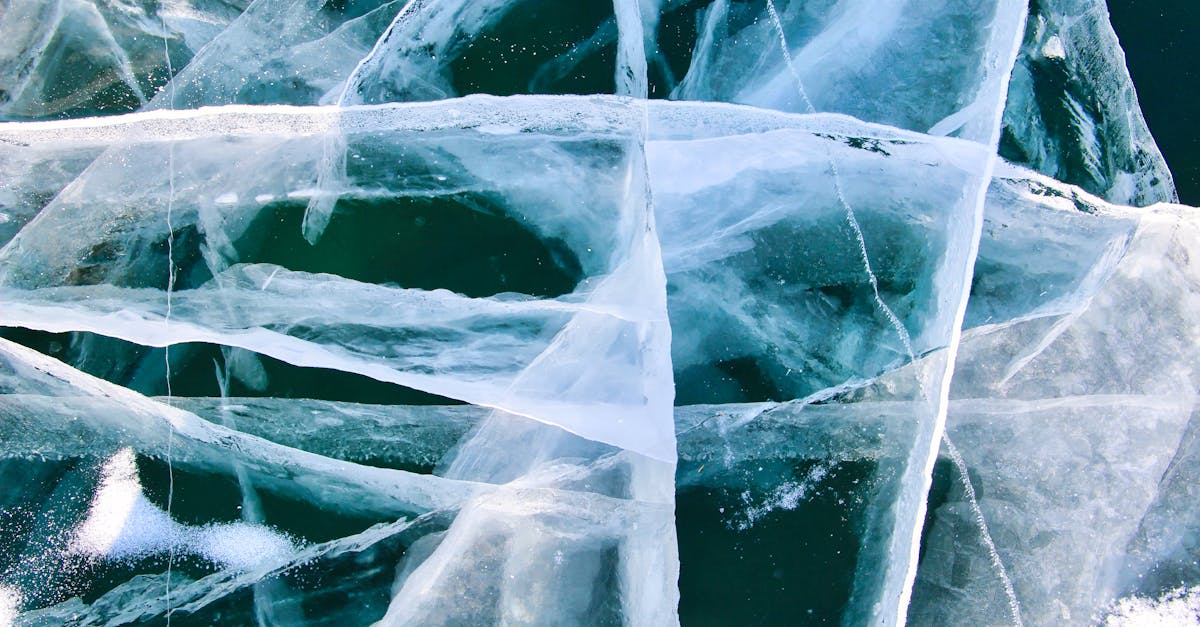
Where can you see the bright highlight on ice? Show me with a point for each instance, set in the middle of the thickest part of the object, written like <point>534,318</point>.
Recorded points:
<point>123,525</point>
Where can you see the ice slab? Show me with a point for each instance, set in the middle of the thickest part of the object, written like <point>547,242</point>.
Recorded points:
<point>559,264</point>
<point>712,51</point>
<point>269,54</point>
<point>52,410</point>
<point>846,58</point>
<point>744,223</point>
<point>597,230</point>
<point>1074,460</point>
<point>76,58</point>
<point>1072,112</point>
<point>617,308</point>
<point>789,314</point>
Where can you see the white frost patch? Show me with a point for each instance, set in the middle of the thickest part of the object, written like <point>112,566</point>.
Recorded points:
<point>1178,607</point>
<point>4,217</point>
<point>787,497</point>
<point>227,199</point>
<point>10,603</point>
<point>1053,48</point>
<point>241,545</point>
<point>123,524</point>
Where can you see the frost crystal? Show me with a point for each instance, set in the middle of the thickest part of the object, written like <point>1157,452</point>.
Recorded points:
<point>458,312</point>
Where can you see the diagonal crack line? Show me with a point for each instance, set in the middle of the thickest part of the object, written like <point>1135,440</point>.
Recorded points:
<point>1014,608</point>
<point>887,311</point>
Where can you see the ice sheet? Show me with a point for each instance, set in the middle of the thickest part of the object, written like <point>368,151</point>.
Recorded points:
<point>788,218</point>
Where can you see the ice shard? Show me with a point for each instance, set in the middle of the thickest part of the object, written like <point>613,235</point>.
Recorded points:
<point>1072,112</point>
<point>639,312</point>
<point>1074,463</point>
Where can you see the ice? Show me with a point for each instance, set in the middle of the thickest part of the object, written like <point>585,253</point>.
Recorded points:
<point>10,602</point>
<point>846,55</point>
<point>618,311</point>
<point>1072,112</point>
<point>142,596</point>
<point>268,55</point>
<point>618,303</point>
<point>416,58</point>
<point>122,525</point>
<point>77,414</point>
<point>763,248</point>
<point>396,436</point>
<point>1047,435</point>
<point>83,57</point>
<point>783,195</point>
<point>1178,607</point>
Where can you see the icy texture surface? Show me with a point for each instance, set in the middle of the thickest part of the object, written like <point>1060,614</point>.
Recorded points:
<point>637,312</point>
<point>1072,112</point>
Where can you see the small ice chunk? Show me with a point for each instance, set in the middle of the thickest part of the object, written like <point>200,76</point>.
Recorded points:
<point>1053,48</point>
<point>227,199</point>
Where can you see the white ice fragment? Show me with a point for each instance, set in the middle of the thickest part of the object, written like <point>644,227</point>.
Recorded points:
<point>263,199</point>
<point>1053,48</point>
<point>227,199</point>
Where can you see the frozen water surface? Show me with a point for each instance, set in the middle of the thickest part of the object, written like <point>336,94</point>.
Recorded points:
<point>637,312</point>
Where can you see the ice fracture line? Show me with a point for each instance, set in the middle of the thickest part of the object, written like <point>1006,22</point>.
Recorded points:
<point>841,196</point>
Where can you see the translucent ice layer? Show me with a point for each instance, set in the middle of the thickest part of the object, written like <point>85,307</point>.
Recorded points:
<point>637,312</point>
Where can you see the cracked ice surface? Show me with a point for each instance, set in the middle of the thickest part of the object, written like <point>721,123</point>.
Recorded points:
<point>645,312</point>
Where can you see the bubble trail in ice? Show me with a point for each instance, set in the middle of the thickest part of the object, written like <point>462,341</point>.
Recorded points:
<point>1014,608</point>
<point>901,332</point>
<point>170,86</point>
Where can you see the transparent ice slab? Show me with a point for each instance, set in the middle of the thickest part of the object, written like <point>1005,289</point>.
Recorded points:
<point>482,350</point>
<point>602,514</point>
<point>1075,463</point>
<point>712,51</point>
<point>75,58</point>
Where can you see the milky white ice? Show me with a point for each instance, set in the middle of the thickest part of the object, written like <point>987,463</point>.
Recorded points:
<point>447,312</point>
